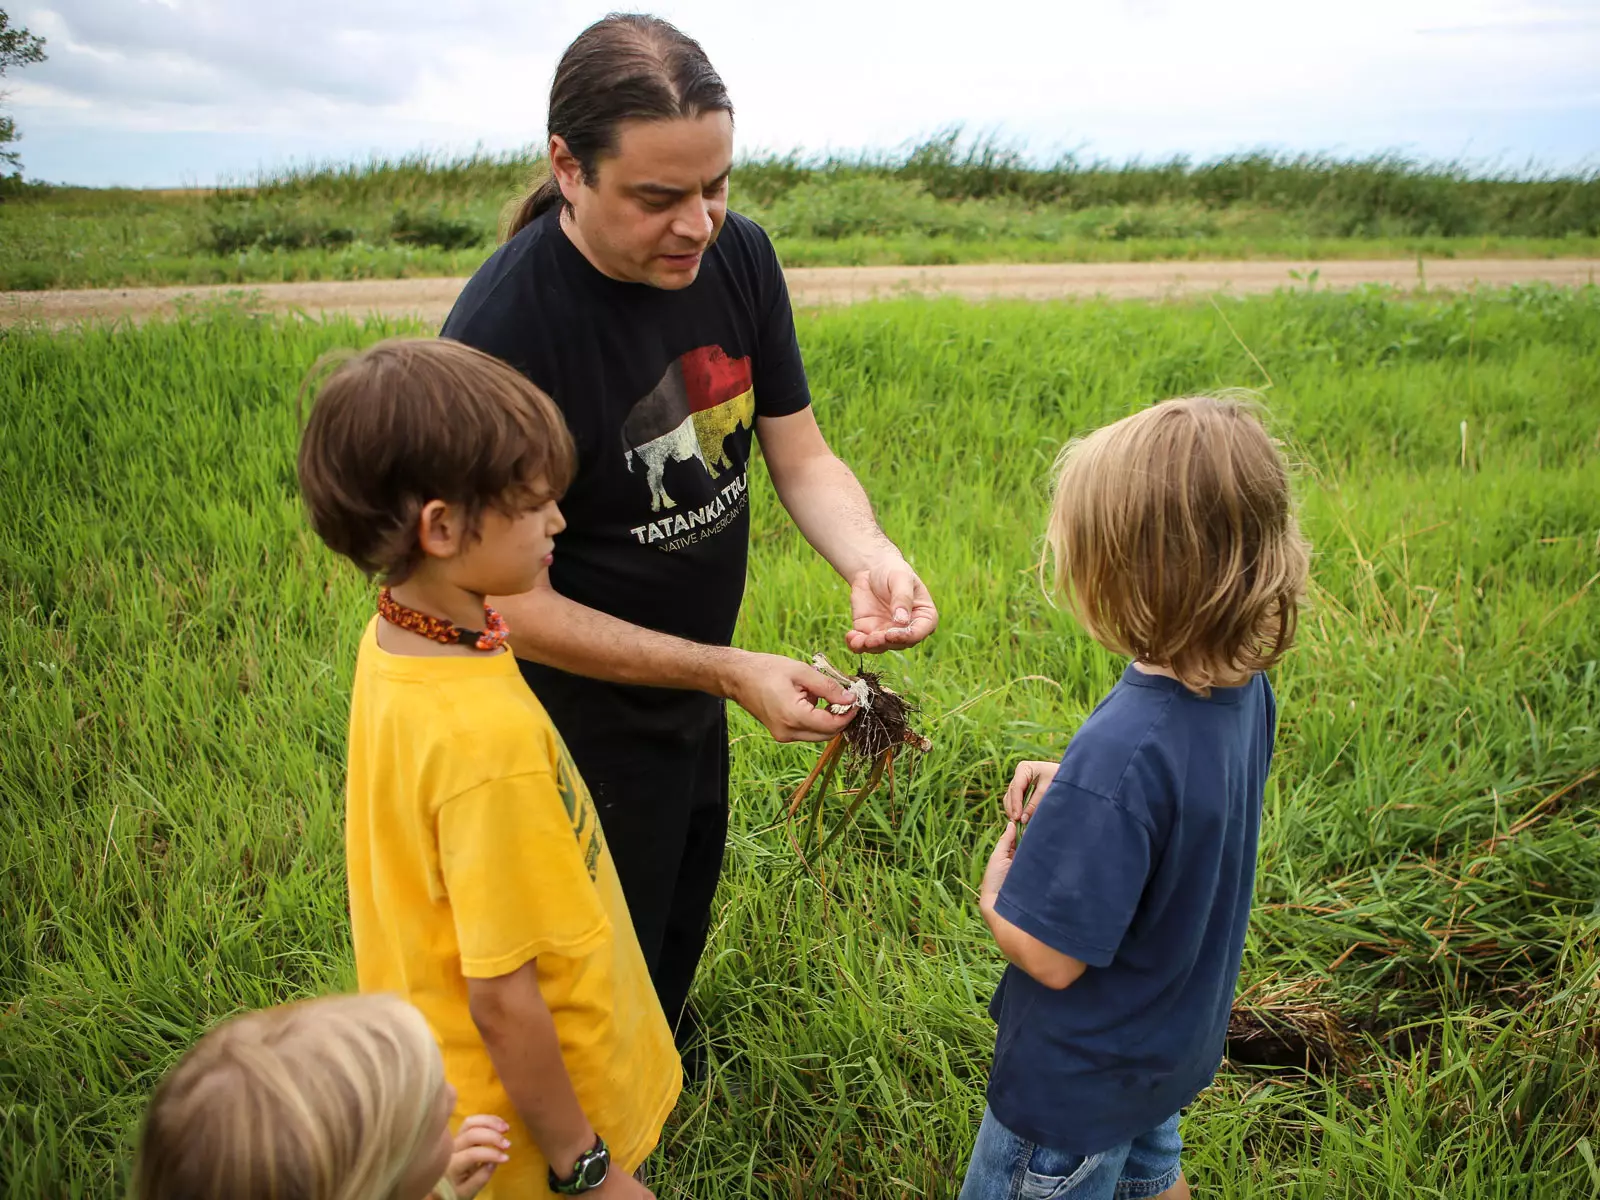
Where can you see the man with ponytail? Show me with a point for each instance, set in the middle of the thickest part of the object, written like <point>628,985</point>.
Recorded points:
<point>659,322</point>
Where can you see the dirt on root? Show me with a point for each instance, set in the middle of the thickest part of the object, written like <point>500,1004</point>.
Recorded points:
<point>430,299</point>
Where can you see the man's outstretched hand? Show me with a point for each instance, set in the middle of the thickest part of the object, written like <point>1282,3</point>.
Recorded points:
<point>890,608</point>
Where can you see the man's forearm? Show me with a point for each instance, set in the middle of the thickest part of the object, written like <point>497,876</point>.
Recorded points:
<point>549,628</point>
<point>782,693</point>
<point>830,507</point>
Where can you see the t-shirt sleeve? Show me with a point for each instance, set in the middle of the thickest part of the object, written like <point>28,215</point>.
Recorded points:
<point>506,322</point>
<point>780,375</point>
<point>515,875</point>
<point>1078,875</point>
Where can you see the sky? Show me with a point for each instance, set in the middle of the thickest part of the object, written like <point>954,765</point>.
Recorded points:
<point>167,93</point>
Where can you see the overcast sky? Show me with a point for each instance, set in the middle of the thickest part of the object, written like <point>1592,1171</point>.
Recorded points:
<point>170,92</point>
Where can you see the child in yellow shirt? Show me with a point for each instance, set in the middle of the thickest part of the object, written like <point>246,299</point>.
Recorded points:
<point>481,889</point>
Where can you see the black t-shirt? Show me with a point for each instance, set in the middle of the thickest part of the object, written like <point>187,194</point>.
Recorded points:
<point>661,390</point>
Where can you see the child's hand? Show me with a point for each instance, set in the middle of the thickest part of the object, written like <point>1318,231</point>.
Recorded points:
<point>1026,787</point>
<point>480,1148</point>
<point>994,875</point>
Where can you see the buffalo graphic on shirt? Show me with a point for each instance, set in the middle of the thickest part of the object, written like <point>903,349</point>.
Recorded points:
<point>703,398</point>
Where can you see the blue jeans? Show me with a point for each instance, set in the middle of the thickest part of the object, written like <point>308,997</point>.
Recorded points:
<point>1006,1167</point>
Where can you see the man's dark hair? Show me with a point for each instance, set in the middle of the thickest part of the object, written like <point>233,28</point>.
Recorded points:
<point>412,420</point>
<point>625,67</point>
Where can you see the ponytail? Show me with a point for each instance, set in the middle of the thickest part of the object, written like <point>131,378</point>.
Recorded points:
<point>544,196</point>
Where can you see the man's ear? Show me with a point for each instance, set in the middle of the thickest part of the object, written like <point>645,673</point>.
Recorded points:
<point>566,168</point>
<point>439,530</point>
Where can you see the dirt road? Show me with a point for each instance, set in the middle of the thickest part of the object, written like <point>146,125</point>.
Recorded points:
<point>430,299</point>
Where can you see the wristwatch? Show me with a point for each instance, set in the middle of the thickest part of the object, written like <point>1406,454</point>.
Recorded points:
<point>588,1173</point>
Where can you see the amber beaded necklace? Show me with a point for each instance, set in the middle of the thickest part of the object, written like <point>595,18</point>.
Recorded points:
<point>439,630</point>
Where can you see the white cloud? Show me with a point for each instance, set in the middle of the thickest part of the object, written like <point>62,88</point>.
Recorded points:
<point>1136,76</point>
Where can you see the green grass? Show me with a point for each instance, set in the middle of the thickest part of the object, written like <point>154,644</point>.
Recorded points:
<point>944,201</point>
<point>175,650</point>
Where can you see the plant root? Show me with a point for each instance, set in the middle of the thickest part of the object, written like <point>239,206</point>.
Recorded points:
<point>870,743</point>
<point>883,722</point>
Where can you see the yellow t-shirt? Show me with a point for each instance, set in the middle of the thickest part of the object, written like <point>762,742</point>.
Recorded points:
<point>473,847</point>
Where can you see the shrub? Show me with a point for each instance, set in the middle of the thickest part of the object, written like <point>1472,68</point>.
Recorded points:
<point>432,227</point>
<point>237,226</point>
<point>853,205</point>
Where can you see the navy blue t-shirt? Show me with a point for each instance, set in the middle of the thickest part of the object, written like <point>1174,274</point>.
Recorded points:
<point>1138,861</point>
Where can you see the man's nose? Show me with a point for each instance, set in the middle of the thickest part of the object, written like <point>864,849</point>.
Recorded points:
<point>693,222</point>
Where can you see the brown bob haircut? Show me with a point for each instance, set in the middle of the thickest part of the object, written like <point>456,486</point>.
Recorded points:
<point>1175,540</point>
<point>411,420</point>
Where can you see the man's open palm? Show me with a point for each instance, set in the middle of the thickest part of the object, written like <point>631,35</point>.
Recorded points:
<point>890,608</point>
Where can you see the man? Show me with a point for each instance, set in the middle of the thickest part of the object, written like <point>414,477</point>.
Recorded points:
<point>660,324</point>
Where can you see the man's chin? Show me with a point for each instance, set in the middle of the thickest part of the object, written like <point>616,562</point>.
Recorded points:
<point>671,276</point>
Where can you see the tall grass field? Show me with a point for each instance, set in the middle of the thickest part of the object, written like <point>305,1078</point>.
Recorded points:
<point>948,199</point>
<point>1419,1012</point>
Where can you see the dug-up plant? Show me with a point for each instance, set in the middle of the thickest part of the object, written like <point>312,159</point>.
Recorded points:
<point>866,751</point>
<point>1290,1024</point>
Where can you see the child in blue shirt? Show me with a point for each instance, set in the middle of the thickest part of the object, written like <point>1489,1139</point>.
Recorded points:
<point>1123,909</point>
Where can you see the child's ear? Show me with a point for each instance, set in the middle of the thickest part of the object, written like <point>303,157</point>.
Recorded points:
<point>439,530</point>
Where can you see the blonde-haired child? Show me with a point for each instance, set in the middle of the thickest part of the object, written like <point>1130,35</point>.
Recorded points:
<point>342,1098</point>
<point>1123,910</point>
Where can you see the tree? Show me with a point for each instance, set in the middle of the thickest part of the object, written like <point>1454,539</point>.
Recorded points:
<point>18,48</point>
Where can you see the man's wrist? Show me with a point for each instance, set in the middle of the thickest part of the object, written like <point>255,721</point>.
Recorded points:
<point>875,558</point>
<point>721,671</point>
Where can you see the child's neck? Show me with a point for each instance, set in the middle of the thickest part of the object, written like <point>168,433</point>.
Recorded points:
<point>1220,679</point>
<point>435,598</point>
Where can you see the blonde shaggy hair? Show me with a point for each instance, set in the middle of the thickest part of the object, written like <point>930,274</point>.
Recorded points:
<point>1174,539</point>
<point>326,1099</point>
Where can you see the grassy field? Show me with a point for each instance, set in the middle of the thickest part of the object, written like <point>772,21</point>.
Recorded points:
<point>945,201</point>
<point>1421,991</point>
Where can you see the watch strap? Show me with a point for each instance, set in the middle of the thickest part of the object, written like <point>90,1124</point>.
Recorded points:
<point>578,1182</point>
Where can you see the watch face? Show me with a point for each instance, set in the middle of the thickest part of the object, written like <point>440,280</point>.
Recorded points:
<point>595,1171</point>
